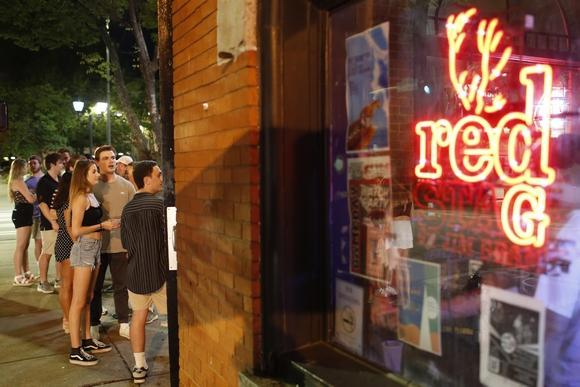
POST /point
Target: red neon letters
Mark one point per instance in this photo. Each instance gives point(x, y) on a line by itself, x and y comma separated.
point(476, 147)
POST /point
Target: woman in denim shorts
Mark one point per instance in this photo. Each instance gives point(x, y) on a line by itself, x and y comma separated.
point(85, 259)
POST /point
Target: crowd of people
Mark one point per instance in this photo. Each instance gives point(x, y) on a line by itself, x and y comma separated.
point(93, 214)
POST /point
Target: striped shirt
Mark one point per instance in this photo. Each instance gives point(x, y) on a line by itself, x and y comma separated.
point(143, 235)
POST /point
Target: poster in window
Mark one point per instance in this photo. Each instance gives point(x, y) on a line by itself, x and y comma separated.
point(349, 316)
point(419, 297)
point(369, 207)
point(512, 339)
point(367, 100)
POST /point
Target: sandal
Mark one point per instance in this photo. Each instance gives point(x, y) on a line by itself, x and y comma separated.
point(21, 280)
point(31, 277)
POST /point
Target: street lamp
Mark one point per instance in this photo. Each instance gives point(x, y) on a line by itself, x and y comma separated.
point(79, 106)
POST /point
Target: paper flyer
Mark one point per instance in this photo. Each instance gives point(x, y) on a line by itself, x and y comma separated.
point(419, 287)
point(349, 315)
point(367, 100)
point(511, 339)
point(369, 208)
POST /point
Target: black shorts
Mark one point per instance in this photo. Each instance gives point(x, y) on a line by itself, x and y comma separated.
point(22, 215)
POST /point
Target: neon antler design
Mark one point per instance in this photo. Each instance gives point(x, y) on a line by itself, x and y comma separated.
point(488, 39)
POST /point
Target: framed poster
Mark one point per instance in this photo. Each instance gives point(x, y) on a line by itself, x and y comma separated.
point(512, 339)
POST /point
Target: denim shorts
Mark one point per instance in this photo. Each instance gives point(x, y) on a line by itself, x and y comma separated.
point(86, 252)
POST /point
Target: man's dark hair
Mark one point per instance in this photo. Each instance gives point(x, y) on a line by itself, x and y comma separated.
point(103, 148)
point(141, 170)
point(35, 157)
point(51, 158)
point(63, 150)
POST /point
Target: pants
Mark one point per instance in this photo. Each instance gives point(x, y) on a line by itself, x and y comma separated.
point(118, 264)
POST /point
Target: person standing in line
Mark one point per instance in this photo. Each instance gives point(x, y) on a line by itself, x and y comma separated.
point(34, 164)
point(66, 159)
point(122, 163)
point(86, 227)
point(113, 192)
point(21, 217)
point(143, 233)
point(46, 190)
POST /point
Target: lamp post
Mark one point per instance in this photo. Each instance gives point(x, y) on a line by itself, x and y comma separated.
point(79, 106)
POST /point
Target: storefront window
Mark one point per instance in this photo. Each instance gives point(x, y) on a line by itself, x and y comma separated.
point(454, 187)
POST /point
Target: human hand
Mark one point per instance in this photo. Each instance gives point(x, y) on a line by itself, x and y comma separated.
point(54, 225)
point(109, 225)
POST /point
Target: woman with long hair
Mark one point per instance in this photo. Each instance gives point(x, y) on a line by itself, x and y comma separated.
point(86, 225)
point(64, 241)
point(19, 193)
point(62, 247)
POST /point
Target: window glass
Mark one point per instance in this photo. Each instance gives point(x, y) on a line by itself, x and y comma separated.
point(454, 185)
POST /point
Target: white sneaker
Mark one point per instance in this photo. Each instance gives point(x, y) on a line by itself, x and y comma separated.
point(124, 330)
point(95, 332)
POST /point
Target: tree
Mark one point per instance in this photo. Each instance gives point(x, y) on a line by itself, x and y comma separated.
point(80, 24)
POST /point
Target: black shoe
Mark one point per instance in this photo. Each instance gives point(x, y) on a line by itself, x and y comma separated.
point(139, 374)
point(95, 346)
point(82, 358)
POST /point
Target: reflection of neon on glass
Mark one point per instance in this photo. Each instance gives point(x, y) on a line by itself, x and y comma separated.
point(474, 145)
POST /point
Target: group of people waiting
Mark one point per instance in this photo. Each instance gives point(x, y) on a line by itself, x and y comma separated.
point(99, 213)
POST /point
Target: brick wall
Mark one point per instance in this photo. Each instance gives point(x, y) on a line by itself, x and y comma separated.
point(217, 194)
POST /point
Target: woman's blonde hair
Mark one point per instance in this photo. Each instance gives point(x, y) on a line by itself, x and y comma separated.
point(79, 184)
point(17, 172)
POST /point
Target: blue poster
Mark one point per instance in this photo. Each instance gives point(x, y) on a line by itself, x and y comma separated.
point(367, 81)
point(419, 287)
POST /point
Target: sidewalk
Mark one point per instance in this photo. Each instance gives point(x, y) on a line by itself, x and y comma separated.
point(35, 348)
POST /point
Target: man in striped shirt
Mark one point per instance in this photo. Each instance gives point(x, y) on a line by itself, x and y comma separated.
point(143, 235)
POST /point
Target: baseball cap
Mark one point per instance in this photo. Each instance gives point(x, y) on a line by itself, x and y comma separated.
point(125, 160)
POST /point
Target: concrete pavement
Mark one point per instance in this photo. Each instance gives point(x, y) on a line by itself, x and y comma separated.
point(34, 348)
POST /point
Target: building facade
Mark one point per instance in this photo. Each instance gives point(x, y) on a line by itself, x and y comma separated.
point(377, 191)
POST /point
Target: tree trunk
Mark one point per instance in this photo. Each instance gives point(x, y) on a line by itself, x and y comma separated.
point(139, 140)
point(148, 69)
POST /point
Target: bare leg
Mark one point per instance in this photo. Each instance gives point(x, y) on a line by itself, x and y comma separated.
point(138, 330)
point(88, 305)
point(43, 267)
point(81, 284)
point(65, 292)
point(22, 239)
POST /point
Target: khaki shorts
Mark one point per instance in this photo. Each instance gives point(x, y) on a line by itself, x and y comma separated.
point(48, 240)
point(144, 301)
point(35, 234)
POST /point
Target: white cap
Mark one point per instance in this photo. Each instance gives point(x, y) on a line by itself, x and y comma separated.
point(125, 160)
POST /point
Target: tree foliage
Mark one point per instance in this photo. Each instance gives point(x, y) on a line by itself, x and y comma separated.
point(82, 24)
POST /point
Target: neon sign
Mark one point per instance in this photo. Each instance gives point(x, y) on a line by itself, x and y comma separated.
point(476, 147)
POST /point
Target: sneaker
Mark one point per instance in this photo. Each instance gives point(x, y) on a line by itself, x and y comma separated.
point(107, 289)
point(95, 332)
point(45, 287)
point(21, 280)
point(57, 284)
point(96, 346)
point(82, 358)
point(139, 374)
point(65, 326)
point(124, 330)
point(151, 316)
